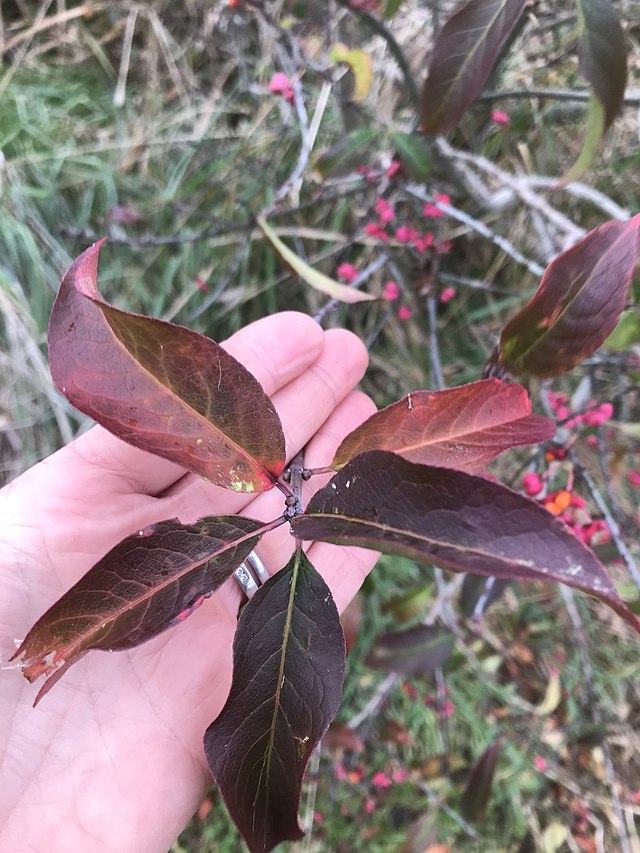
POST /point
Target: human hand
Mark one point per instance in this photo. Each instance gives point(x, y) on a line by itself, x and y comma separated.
point(112, 759)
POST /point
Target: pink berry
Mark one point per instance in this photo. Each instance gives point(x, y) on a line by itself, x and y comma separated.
point(634, 478)
point(384, 210)
point(606, 411)
point(391, 291)
point(404, 312)
point(404, 234)
point(279, 83)
point(500, 117)
point(532, 484)
point(381, 780)
point(432, 211)
point(447, 295)
point(347, 272)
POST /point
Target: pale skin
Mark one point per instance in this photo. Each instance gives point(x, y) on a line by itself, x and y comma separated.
point(112, 758)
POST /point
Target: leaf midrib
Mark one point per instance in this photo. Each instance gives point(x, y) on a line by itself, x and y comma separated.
point(454, 436)
point(286, 633)
point(471, 55)
point(149, 594)
point(545, 333)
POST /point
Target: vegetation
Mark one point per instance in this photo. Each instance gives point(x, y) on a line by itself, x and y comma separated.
point(157, 125)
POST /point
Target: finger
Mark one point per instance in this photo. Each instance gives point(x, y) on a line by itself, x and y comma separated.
point(275, 350)
point(303, 406)
point(343, 567)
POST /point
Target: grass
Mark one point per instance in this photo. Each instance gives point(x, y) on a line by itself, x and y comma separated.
point(175, 175)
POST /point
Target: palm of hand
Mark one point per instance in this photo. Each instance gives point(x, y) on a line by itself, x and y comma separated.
point(113, 758)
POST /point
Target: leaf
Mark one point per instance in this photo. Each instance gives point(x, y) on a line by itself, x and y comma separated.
point(477, 792)
point(463, 56)
point(413, 651)
point(577, 305)
point(361, 67)
point(592, 139)
point(161, 387)
point(289, 660)
point(476, 589)
point(603, 63)
point(316, 279)
point(454, 520)
point(150, 581)
point(414, 153)
point(347, 154)
point(464, 427)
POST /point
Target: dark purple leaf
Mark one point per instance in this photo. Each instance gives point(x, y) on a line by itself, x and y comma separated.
point(463, 428)
point(161, 387)
point(413, 651)
point(475, 589)
point(454, 520)
point(288, 670)
point(579, 301)
point(477, 792)
point(464, 54)
point(150, 581)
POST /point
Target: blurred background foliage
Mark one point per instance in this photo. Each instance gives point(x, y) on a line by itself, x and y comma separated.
point(153, 123)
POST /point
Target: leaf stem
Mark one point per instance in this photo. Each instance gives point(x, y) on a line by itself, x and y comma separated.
point(296, 474)
point(313, 472)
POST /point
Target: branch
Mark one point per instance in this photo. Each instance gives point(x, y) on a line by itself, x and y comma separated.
point(631, 99)
point(480, 228)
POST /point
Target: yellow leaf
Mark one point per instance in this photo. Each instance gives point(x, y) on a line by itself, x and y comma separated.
point(552, 696)
point(361, 67)
point(316, 279)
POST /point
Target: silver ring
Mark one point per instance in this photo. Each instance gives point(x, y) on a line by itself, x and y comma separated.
point(251, 574)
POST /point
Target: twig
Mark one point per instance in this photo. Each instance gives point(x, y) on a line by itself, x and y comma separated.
point(519, 185)
point(620, 544)
point(464, 281)
point(119, 94)
point(439, 803)
point(631, 98)
point(382, 691)
point(480, 228)
point(305, 147)
point(435, 364)
point(582, 191)
point(364, 276)
point(591, 699)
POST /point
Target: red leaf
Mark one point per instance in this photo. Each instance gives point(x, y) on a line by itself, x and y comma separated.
point(464, 54)
point(453, 520)
point(579, 301)
point(463, 428)
point(147, 583)
point(161, 387)
point(288, 667)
